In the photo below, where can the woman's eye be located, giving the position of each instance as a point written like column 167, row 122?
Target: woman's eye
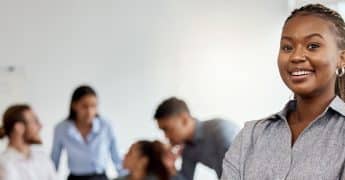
column 313, row 46
column 286, row 48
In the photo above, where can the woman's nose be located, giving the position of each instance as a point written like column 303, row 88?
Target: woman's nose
column 298, row 55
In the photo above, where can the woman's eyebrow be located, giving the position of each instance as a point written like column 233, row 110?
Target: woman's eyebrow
column 307, row 37
column 313, row 35
column 287, row 38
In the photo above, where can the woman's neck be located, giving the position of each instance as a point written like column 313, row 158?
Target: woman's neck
column 308, row 108
column 83, row 123
column 83, row 127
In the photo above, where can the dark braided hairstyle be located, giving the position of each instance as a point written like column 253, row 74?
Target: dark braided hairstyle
column 338, row 23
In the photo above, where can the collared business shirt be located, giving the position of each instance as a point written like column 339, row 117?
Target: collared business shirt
column 86, row 156
column 263, row 150
column 16, row 166
column 211, row 141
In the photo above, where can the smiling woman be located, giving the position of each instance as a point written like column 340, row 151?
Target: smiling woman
column 302, row 140
column 320, row 44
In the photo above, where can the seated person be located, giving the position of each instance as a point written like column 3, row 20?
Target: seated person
column 146, row 160
column 20, row 161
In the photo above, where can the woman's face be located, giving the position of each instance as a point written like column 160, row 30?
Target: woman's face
column 309, row 55
column 86, row 108
column 132, row 158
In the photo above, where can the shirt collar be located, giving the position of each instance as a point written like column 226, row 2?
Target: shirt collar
column 337, row 104
column 73, row 131
column 96, row 126
column 290, row 106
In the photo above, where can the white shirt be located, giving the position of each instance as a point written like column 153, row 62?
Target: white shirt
column 15, row 166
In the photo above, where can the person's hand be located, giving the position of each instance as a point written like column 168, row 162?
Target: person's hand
column 170, row 156
column 177, row 151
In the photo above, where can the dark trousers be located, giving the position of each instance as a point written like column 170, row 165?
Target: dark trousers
column 88, row 177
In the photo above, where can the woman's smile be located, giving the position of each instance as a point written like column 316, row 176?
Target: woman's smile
column 300, row 75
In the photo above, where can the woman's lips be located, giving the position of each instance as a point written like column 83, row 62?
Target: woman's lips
column 298, row 76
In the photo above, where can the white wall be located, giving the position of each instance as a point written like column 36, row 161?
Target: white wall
column 220, row 56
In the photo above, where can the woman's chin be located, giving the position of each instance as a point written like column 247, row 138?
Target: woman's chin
column 303, row 92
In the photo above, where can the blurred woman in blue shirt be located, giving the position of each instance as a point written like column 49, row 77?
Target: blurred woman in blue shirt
column 87, row 138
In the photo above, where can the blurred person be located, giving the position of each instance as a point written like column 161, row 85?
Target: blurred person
column 145, row 160
column 203, row 142
column 88, row 139
column 20, row 161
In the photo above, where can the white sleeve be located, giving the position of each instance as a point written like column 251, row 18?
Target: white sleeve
column 4, row 173
column 51, row 170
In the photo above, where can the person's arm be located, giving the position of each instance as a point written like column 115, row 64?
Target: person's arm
column 114, row 153
column 187, row 169
column 231, row 162
column 57, row 148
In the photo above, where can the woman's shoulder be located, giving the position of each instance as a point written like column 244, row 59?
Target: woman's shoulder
column 103, row 122
column 254, row 124
column 256, row 127
column 63, row 125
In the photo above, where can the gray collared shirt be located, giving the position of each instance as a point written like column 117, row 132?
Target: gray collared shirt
column 262, row 150
column 211, row 141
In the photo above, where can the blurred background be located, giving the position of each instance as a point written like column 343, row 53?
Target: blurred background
column 218, row 55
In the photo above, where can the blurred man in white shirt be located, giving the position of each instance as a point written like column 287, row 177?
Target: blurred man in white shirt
column 20, row 161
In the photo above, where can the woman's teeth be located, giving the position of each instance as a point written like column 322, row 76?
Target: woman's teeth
column 300, row 73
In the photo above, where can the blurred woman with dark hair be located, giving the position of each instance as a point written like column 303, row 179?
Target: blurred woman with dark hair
column 87, row 138
column 145, row 161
